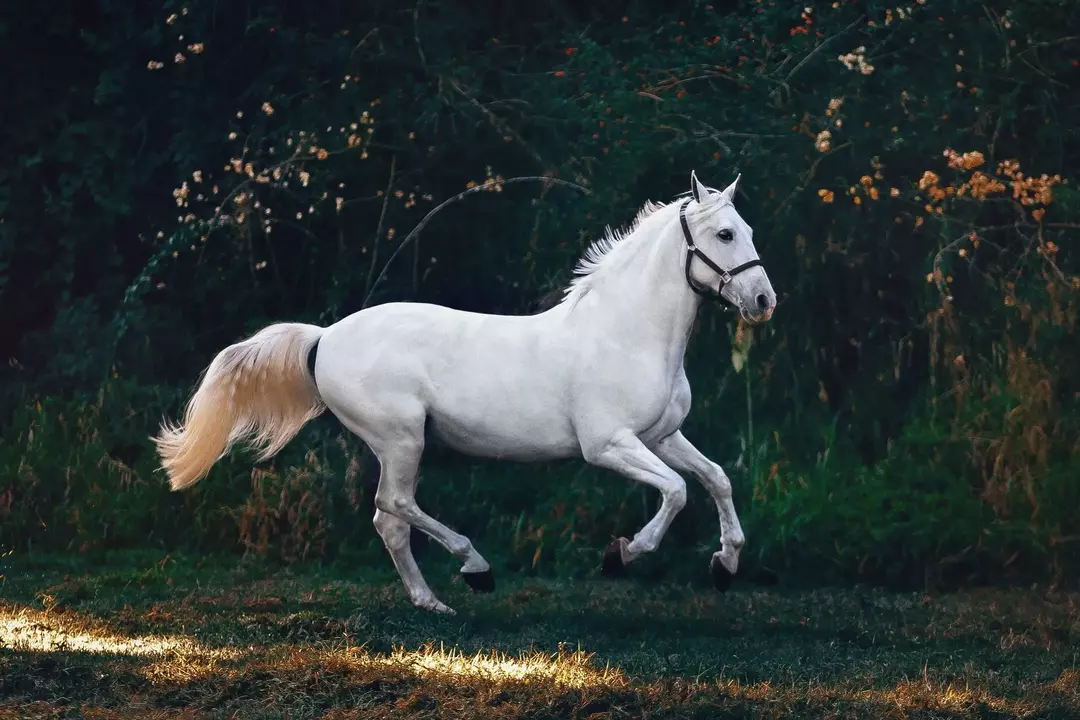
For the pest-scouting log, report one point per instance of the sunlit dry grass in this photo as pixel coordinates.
(897, 700)
(26, 629)
(192, 641)
(571, 670)
(560, 670)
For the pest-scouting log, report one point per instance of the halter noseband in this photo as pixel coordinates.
(693, 251)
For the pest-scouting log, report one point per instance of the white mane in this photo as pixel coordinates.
(596, 252)
(600, 252)
(605, 252)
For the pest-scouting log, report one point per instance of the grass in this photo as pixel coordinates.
(142, 635)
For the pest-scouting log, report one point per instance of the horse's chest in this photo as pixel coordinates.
(647, 399)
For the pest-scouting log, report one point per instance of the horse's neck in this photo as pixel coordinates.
(650, 303)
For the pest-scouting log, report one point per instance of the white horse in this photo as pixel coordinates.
(598, 376)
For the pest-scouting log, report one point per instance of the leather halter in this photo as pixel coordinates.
(693, 251)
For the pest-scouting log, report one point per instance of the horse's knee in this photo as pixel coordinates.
(385, 522)
(397, 504)
(676, 495)
(721, 482)
(393, 531)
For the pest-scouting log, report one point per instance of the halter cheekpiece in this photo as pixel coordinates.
(693, 251)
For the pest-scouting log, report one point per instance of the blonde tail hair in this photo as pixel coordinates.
(258, 389)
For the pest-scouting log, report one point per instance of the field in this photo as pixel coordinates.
(145, 635)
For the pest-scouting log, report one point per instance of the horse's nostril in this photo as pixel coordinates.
(762, 302)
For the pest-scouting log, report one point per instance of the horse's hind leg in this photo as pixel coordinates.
(395, 535)
(397, 439)
(397, 496)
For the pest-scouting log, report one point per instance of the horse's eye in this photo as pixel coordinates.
(726, 235)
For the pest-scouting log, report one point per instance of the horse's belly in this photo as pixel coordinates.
(506, 436)
(498, 391)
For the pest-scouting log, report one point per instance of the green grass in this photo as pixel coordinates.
(143, 635)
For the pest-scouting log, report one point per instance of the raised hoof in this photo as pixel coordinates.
(721, 576)
(481, 582)
(613, 559)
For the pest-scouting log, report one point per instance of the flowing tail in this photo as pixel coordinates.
(259, 390)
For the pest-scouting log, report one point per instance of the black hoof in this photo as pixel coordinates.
(721, 577)
(481, 582)
(613, 562)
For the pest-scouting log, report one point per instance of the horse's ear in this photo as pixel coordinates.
(699, 191)
(729, 192)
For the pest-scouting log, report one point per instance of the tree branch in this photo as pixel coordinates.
(498, 124)
(379, 229)
(487, 186)
(416, 35)
(820, 46)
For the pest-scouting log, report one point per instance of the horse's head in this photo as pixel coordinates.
(721, 256)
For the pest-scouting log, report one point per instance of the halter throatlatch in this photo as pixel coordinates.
(693, 251)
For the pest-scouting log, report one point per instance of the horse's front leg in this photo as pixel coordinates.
(680, 454)
(624, 453)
